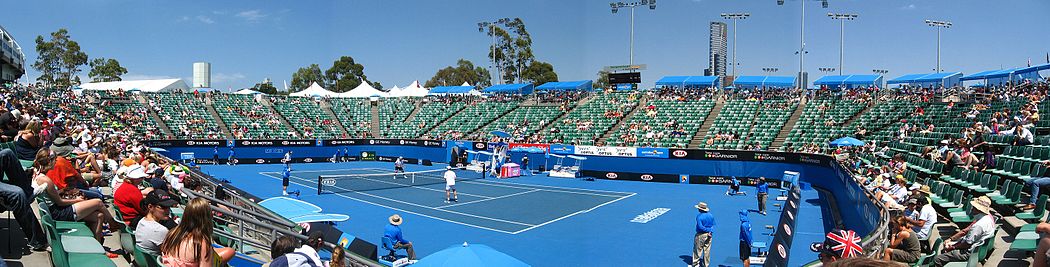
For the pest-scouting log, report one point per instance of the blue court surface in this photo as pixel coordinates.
(541, 220)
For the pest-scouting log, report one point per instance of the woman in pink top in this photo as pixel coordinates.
(189, 243)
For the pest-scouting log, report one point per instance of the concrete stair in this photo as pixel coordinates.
(374, 126)
(789, 125)
(709, 122)
(153, 115)
(327, 108)
(415, 110)
(858, 115)
(209, 105)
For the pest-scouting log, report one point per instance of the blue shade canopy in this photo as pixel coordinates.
(770, 81)
(451, 90)
(1007, 75)
(847, 141)
(946, 79)
(523, 88)
(683, 81)
(849, 81)
(584, 85)
(469, 255)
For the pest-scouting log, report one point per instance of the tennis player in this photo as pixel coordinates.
(399, 167)
(231, 159)
(450, 185)
(287, 160)
(284, 181)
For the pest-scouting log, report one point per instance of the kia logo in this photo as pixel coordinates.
(328, 182)
(647, 177)
(190, 143)
(246, 143)
(260, 161)
(284, 142)
(680, 153)
(308, 160)
(479, 145)
(611, 175)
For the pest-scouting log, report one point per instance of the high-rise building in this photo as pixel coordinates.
(12, 61)
(717, 59)
(201, 75)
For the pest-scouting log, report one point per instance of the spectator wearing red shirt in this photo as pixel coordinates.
(128, 196)
(64, 174)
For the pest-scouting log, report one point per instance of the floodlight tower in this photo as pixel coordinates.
(618, 5)
(492, 29)
(842, 18)
(939, 25)
(735, 17)
(802, 41)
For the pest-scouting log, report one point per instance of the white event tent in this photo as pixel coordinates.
(363, 90)
(414, 89)
(315, 90)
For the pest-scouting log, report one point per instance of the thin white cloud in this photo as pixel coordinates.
(251, 15)
(132, 77)
(227, 78)
(205, 19)
(908, 7)
(183, 19)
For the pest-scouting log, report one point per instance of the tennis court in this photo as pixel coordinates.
(483, 203)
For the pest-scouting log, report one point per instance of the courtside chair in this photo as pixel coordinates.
(927, 260)
(1037, 213)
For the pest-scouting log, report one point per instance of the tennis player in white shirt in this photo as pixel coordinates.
(450, 185)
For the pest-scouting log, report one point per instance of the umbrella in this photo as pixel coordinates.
(468, 255)
(500, 133)
(847, 141)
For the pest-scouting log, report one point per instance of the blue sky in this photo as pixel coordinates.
(401, 41)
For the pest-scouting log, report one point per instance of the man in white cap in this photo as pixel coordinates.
(705, 225)
(392, 232)
(450, 185)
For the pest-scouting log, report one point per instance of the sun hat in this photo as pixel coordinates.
(395, 219)
(61, 146)
(136, 172)
(702, 206)
(925, 189)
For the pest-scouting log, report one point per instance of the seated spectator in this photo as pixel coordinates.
(150, 232)
(959, 246)
(190, 243)
(904, 245)
(17, 194)
(69, 204)
(64, 175)
(282, 245)
(397, 239)
(306, 255)
(128, 197)
(28, 141)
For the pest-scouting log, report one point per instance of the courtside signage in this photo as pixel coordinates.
(649, 215)
(653, 152)
(611, 151)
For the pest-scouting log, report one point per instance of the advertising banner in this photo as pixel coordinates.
(785, 232)
(543, 147)
(653, 152)
(631, 176)
(562, 149)
(368, 155)
(612, 151)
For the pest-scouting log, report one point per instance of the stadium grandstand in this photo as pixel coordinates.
(925, 169)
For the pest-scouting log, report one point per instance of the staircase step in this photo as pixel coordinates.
(210, 106)
(708, 123)
(152, 114)
(789, 125)
(327, 108)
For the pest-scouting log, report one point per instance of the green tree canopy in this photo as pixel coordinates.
(59, 59)
(106, 70)
(539, 73)
(305, 76)
(266, 88)
(512, 50)
(345, 74)
(464, 71)
(603, 80)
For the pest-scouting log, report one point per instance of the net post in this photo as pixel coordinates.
(318, 184)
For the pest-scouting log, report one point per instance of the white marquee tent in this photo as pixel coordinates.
(363, 90)
(394, 92)
(247, 91)
(315, 90)
(414, 89)
(161, 85)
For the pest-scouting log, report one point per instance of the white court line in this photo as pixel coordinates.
(427, 207)
(482, 200)
(575, 213)
(402, 210)
(520, 186)
(419, 187)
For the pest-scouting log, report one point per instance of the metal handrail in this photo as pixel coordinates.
(358, 259)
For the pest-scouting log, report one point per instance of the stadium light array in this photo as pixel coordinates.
(616, 6)
(842, 18)
(735, 17)
(770, 69)
(826, 69)
(802, 41)
(880, 71)
(939, 25)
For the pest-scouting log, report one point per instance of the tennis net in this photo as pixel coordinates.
(329, 184)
